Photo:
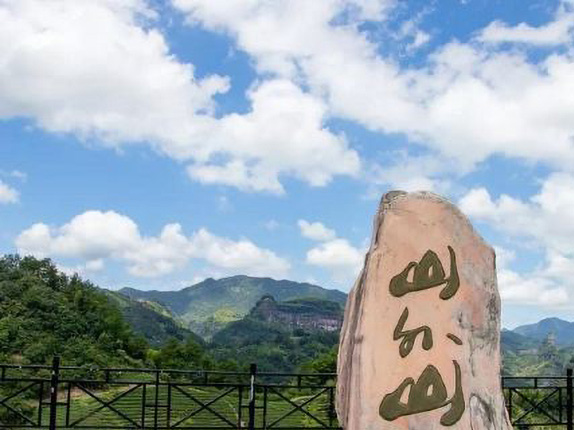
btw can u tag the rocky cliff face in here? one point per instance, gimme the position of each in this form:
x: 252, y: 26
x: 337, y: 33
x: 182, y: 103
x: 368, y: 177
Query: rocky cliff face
x: 312, y: 314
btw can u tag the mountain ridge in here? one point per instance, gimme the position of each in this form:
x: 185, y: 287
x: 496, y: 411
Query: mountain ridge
x: 562, y: 330
x: 208, y: 306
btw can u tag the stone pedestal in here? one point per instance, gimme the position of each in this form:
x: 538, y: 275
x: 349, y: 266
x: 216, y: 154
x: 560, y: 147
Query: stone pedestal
x: 419, y: 346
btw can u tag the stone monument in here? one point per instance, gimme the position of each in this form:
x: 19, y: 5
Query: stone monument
x: 419, y: 347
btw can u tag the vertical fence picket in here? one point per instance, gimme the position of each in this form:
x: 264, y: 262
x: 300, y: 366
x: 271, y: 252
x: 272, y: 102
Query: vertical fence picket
x: 156, y: 401
x: 569, y: 425
x: 331, y: 406
x: 54, y: 380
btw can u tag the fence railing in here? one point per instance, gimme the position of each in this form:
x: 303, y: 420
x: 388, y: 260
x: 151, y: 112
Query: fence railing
x: 70, y: 397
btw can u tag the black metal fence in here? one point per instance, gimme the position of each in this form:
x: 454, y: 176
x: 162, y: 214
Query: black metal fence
x: 69, y: 397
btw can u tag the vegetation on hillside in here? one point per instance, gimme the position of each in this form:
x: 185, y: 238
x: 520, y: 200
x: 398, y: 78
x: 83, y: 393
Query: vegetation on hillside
x: 44, y: 313
x: 152, y: 320
x: 209, y: 306
x: 275, y: 347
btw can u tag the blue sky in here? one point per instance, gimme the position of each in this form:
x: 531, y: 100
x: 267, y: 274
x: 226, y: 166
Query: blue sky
x: 155, y: 143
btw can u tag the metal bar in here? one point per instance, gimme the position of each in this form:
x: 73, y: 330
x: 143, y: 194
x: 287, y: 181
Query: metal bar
x: 331, y: 406
x: 54, y: 392
x: 253, y: 374
x: 155, y: 411
x: 40, y: 403
x: 143, y: 405
x: 203, y: 406
x: 569, y: 425
x: 537, y: 406
x: 168, y: 405
x: 560, y: 405
x: 300, y: 408
x: 104, y: 405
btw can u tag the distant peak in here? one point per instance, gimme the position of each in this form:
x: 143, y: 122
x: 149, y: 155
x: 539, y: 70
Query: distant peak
x: 554, y: 320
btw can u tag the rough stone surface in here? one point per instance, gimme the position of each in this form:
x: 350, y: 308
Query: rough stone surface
x: 382, y: 345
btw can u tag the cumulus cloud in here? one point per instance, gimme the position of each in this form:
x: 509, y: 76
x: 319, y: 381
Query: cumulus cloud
x: 412, y: 173
x: 559, y: 31
x: 96, y: 236
x: 8, y: 194
x: 467, y: 102
x: 315, y: 231
x: 101, y: 70
x: 337, y: 255
x: 545, y: 217
x: 543, y: 220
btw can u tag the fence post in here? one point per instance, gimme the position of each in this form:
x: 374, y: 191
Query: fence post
x: 54, y: 380
x: 252, y: 374
x: 569, y: 399
x: 156, y: 400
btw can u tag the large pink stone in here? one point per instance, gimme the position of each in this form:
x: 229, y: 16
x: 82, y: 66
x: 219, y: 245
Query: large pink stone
x: 463, y: 319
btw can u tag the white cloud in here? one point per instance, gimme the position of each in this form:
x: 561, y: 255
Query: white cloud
x: 283, y: 133
x: 8, y: 194
x: 86, y: 269
x: 337, y: 255
x: 315, y: 231
x: 238, y: 255
x: 95, y: 236
x: 544, y: 220
x: 100, y: 69
x: 556, y: 32
x: 342, y: 259
x: 468, y: 102
x: 531, y: 290
x: 545, y: 217
x: 412, y: 173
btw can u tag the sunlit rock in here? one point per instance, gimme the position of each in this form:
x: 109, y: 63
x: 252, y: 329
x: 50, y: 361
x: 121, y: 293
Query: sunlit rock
x: 420, y: 341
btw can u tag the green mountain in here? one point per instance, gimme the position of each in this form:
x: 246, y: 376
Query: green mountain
x: 152, y: 320
x: 209, y: 306
x: 280, y: 336
x: 512, y: 342
x: 562, y: 330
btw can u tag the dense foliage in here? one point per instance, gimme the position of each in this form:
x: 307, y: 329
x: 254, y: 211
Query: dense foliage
x: 152, y: 320
x: 274, y: 347
x: 45, y: 313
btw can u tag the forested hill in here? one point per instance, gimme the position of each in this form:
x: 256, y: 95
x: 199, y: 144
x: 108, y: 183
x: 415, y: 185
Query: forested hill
x: 45, y: 313
x: 209, y: 306
x: 152, y: 320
